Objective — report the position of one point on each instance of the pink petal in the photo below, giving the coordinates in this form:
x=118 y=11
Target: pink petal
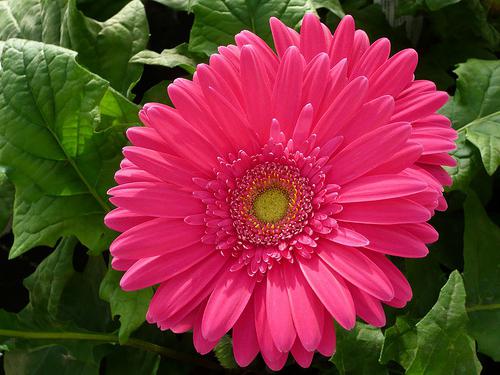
x=400 y=160
x=121 y=219
x=122 y=264
x=303 y=126
x=131 y=174
x=433 y=144
x=328 y=341
x=184 y=289
x=155 y=199
x=390 y=211
x=201 y=344
x=287 y=91
x=307 y=311
x=257 y=87
x=401 y=65
x=147 y=138
x=312 y=38
x=272 y=356
x=419 y=105
x=245 y=344
x=314 y=86
x=393 y=240
x=342 y=40
x=278 y=309
x=423 y=231
x=166 y=167
x=301 y=355
x=348 y=237
x=372 y=59
x=226 y=303
x=368 y=308
x=150 y=271
x=337 y=80
x=266 y=54
x=330 y=290
x=357 y=269
x=402 y=289
x=360 y=45
x=368 y=152
x=188 y=100
x=172 y=127
x=379 y=187
x=342 y=109
x=282 y=35
x=369 y=117
x=155 y=237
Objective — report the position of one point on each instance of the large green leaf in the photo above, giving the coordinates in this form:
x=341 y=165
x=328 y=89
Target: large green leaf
x=6 y=200
x=475 y=113
x=482 y=276
x=103 y=47
x=50 y=334
x=130 y=306
x=47 y=283
x=45 y=360
x=400 y=342
x=443 y=345
x=169 y=58
x=60 y=167
x=438 y=4
x=358 y=351
x=217 y=21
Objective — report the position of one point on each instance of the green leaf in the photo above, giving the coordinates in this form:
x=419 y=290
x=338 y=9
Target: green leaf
x=116 y=111
x=482 y=276
x=45 y=360
x=400 y=342
x=333 y=6
x=60 y=167
x=443 y=345
x=103 y=47
x=484 y=133
x=157 y=94
x=358 y=350
x=50 y=335
x=169 y=58
x=438 y=4
x=477 y=94
x=218 y=21
x=130 y=306
x=468 y=164
x=475 y=113
x=6 y=201
x=47 y=283
x=224 y=353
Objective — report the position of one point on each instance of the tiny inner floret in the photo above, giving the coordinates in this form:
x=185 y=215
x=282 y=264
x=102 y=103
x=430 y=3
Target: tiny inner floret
x=271 y=203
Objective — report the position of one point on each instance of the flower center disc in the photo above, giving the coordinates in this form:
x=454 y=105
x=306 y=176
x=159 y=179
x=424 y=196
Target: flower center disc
x=271 y=205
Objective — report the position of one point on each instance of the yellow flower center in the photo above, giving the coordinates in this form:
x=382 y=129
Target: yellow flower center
x=271 y=205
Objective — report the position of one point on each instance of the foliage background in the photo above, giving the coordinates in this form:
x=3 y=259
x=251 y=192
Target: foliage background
x=73 y=74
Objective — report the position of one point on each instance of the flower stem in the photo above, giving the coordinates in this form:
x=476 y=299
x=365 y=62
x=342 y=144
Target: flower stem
x=109 y=338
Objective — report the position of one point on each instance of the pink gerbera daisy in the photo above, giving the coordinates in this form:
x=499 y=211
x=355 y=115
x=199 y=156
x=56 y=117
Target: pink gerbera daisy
x=266 y=202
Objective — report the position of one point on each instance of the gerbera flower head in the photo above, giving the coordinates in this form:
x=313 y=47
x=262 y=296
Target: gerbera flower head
x=266 y=201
